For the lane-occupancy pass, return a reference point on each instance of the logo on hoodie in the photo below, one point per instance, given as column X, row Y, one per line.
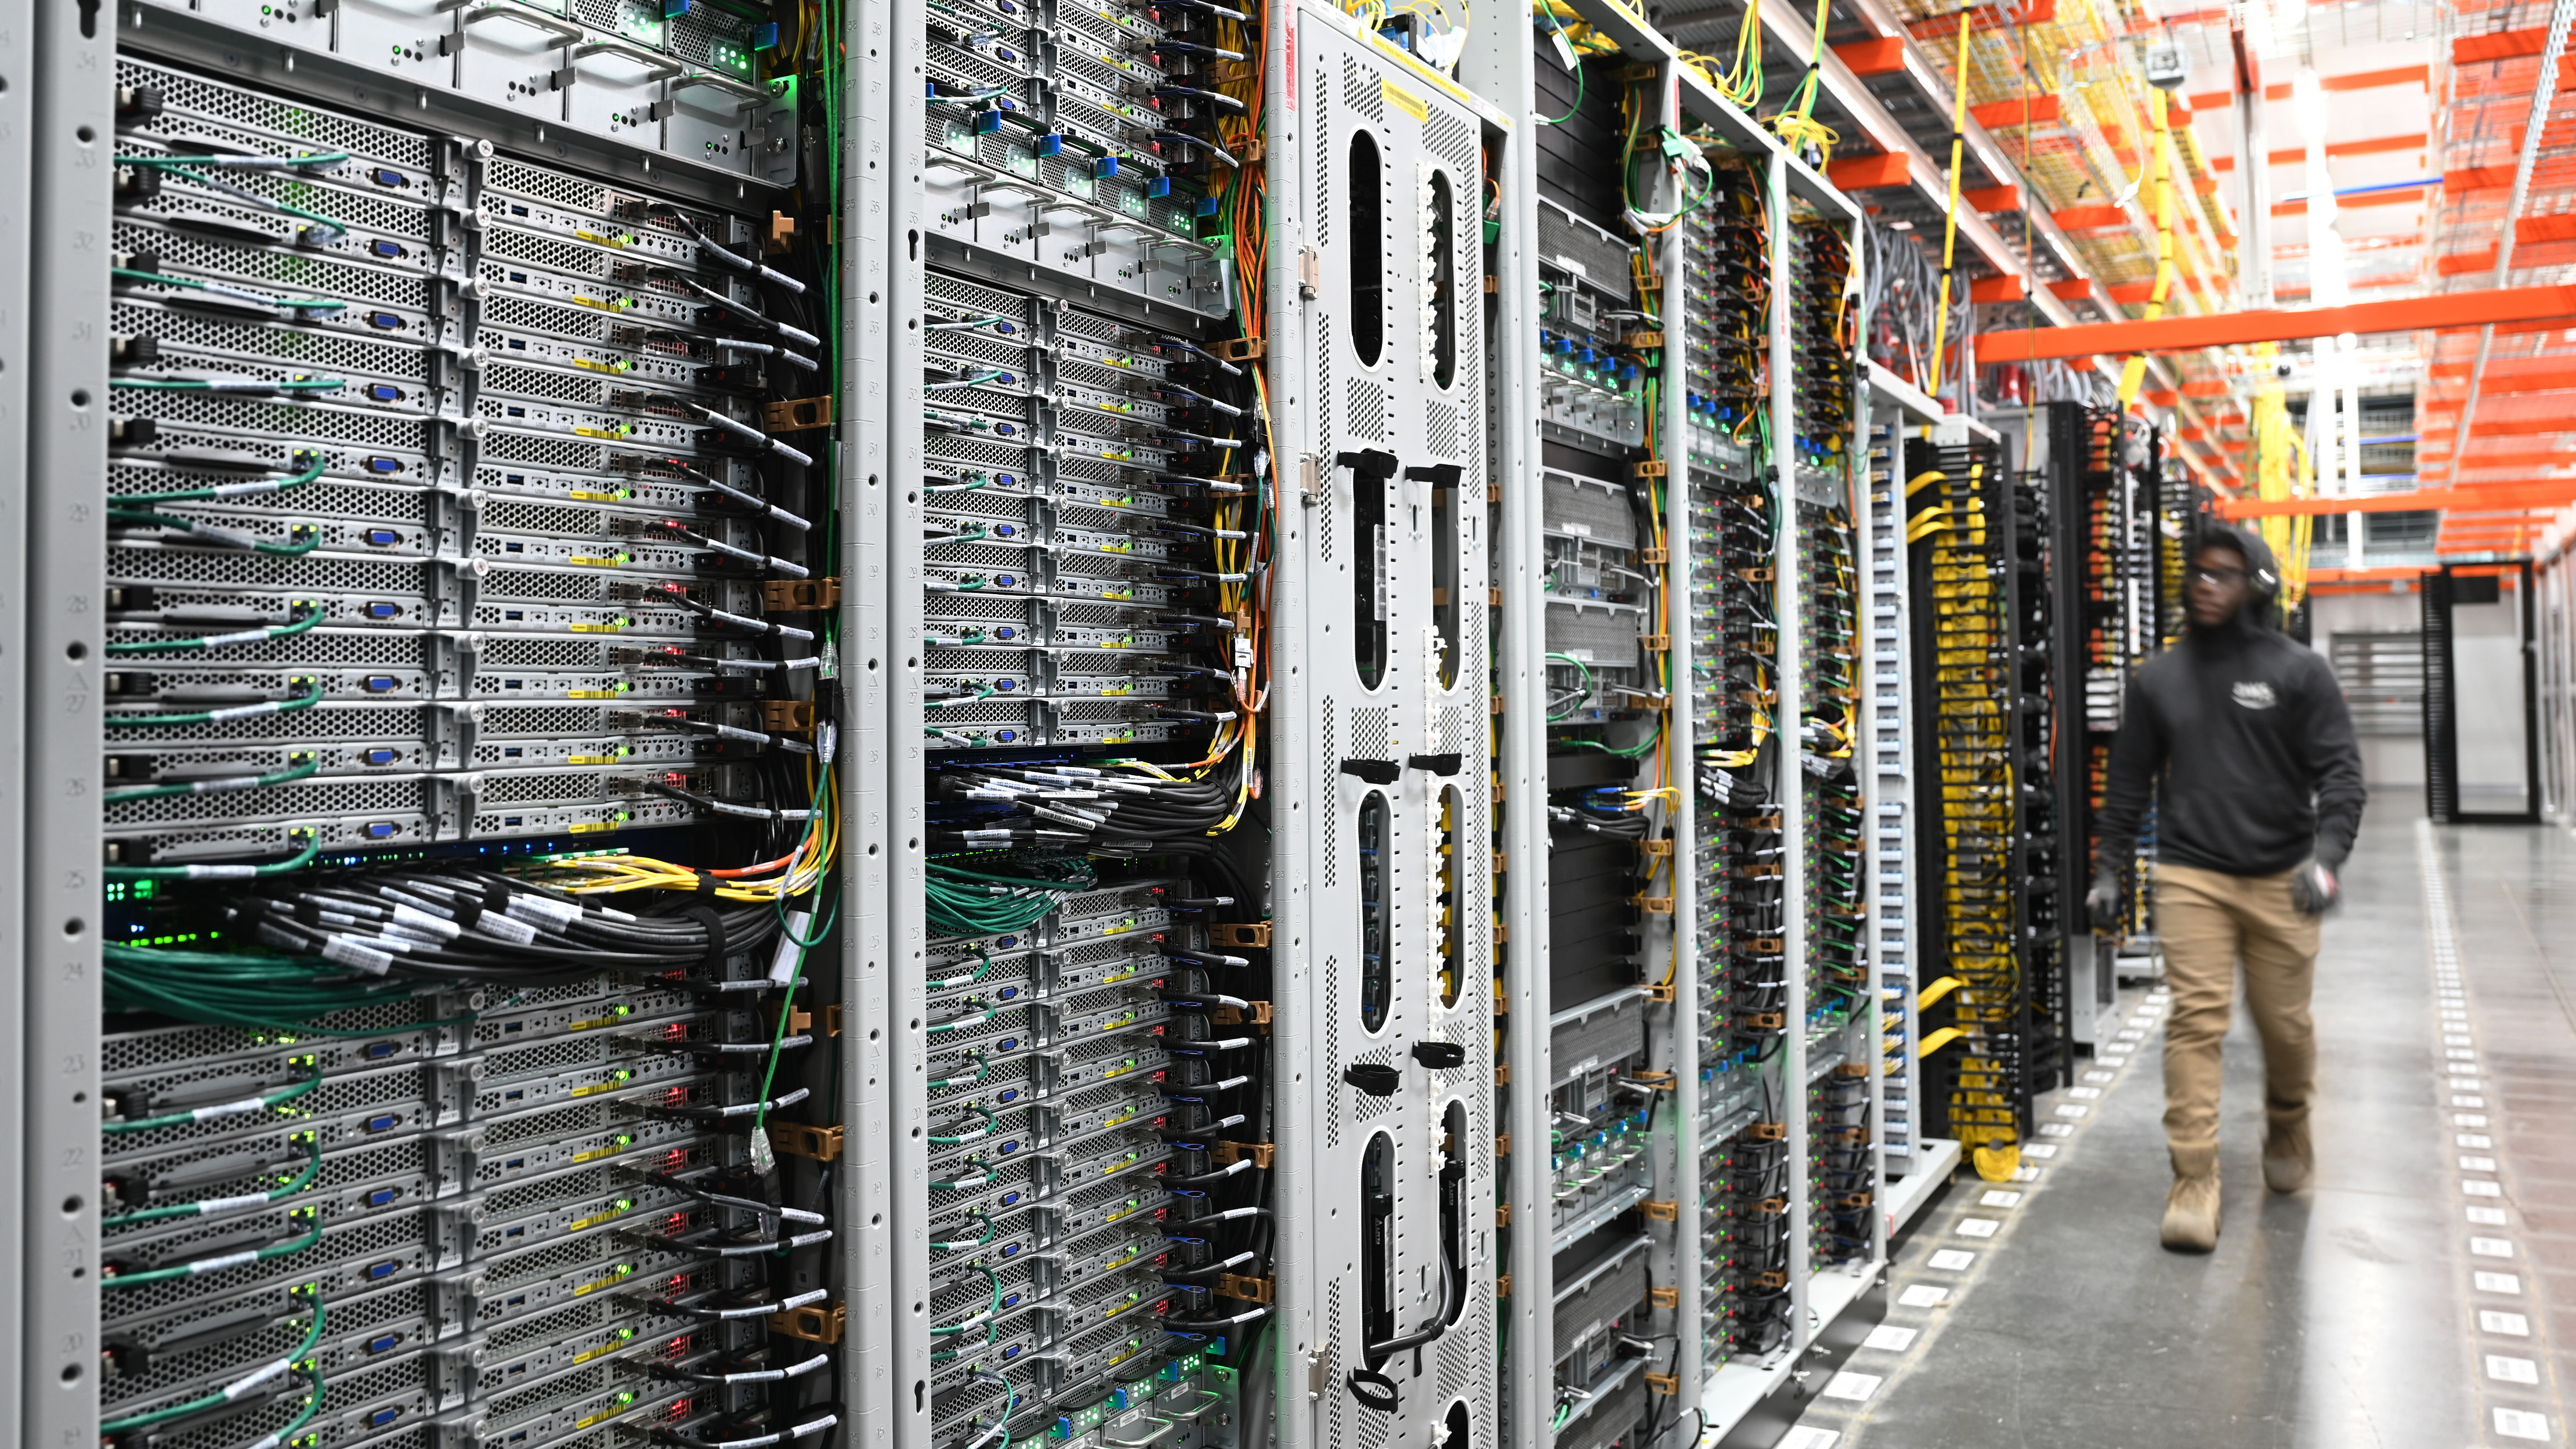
column 2255, row 694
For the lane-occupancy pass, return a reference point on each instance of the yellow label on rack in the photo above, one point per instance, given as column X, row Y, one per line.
column 592, row 760
column 595, row 1219
column 619, row 628
column 1404, row 100
column 592, row 694
column 611, row 1281
column 592, row 828
column 590, row 496
column 598, row 561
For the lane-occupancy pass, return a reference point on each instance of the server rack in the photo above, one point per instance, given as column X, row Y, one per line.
column 2100, row 586
column 434, row 591
column 2438, row 592
column 2044, row 871
column 993, row 462
column 1973, row 747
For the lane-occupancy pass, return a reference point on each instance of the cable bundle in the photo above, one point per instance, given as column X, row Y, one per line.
column 1959, row 521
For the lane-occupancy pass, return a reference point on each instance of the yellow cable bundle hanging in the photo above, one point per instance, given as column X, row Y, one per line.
column 2133, row 373
column 2282, row 469
column 1797, row 123
column 1950, row 220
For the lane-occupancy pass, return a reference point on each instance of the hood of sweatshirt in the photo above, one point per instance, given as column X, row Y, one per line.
column 2263, row 568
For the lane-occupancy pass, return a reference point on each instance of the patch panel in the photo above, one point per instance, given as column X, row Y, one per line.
column 1592, row 393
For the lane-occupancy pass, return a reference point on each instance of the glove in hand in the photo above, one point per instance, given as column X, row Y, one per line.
column 2314, row 889
column 2103, row 903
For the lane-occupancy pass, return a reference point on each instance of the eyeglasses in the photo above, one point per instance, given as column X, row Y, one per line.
column 2200, row 575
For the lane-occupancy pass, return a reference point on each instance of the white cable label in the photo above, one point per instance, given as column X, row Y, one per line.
column 420, row 920
column 500, row 927
column 357, row 954
column 545, row 911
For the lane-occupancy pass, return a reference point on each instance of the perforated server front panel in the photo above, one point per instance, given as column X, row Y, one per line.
column 465, row 787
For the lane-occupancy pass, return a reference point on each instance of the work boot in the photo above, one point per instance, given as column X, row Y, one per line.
column 2289, row 1158
column 2191, row 1205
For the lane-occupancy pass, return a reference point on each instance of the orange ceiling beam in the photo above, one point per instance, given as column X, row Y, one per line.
column 2545, row 459
column 2035, row 111
column 1871, row 173
column 2346, row 203
column 2499, row 427
column 2497, row 522
column 1884, row 56
column 2377, row 146
column 2368, row 80
column 2499, row 45
column 2360, row 577
column 2474, row 497
column 2177, row 334
column 2090, row 218
column 2503, row 379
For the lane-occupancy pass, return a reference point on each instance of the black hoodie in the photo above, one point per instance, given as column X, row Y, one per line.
column 2250, row 733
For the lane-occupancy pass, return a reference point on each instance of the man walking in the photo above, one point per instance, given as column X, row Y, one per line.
column 2261, row 797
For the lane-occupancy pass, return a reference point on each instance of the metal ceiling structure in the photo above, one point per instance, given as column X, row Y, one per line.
column 2391, row 134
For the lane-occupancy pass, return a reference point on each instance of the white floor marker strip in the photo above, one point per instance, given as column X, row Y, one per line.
column 2459, row 1061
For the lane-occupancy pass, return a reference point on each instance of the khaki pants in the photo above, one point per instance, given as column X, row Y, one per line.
column 2206, row 920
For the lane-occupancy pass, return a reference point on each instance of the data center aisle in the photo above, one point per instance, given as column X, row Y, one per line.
column 2402, row 1302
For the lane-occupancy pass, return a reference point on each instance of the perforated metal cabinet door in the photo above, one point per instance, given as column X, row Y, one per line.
column 1394, row 565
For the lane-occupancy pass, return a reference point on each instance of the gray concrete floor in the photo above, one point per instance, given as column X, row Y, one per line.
column 2344, row 1316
